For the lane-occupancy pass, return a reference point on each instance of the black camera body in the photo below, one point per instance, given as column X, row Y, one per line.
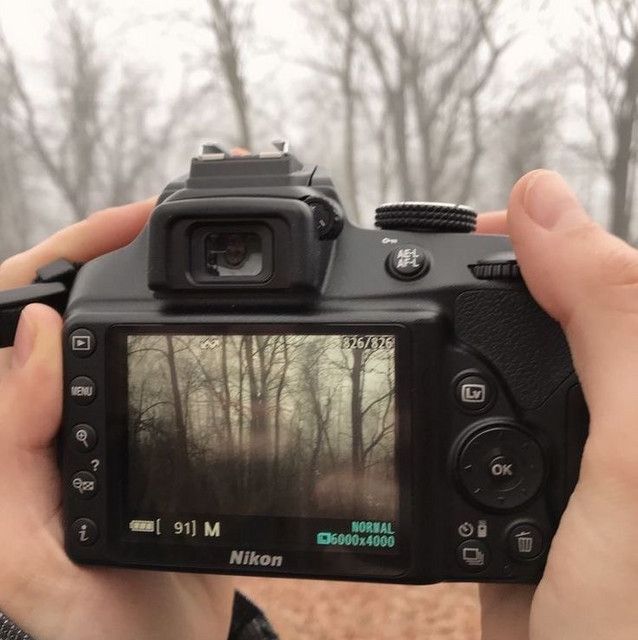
column 256, row 386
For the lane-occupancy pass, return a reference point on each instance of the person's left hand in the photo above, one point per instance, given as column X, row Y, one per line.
column 41, row 590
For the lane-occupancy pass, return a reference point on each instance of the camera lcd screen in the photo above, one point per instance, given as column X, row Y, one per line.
column 284, row 441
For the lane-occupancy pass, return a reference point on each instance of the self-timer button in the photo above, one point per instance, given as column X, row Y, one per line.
column 408, row 262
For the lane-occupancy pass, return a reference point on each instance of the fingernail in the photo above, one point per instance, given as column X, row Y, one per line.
column 23, row 343
column 551, row 203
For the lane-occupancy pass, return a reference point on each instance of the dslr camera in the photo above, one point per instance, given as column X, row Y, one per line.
column 257, row 386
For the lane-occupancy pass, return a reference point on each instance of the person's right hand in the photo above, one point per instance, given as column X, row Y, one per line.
column 586, row 279
column 45, row 593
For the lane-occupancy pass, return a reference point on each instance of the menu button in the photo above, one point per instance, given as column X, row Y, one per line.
column 83, row 390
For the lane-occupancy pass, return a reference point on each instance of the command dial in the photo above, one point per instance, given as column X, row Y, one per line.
column 426, row 217
column 499, row 266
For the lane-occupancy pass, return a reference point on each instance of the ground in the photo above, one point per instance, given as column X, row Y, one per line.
column 314, row 610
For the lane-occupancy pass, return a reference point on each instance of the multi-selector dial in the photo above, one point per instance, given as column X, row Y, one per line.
column 501, row 467
column 426, row 217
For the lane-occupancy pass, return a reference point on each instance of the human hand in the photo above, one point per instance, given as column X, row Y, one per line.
column 587, row 280
column 40, row 588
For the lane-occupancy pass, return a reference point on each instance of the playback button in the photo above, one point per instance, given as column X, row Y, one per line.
column 82, row 343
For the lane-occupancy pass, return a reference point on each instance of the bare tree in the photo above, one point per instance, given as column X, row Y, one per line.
column 71, row 159
column 230, row 24
column 106, row 135
column 412, row 74
column 15, row 207
column 337, row 19
column 446, row 79
column 528, row 128
column 609, row 63
column 132, row 140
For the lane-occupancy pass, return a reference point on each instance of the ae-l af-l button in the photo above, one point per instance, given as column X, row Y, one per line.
column 82, row 390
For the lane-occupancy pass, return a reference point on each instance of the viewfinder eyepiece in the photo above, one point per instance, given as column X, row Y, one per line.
column 231, row 253
column 237, row 254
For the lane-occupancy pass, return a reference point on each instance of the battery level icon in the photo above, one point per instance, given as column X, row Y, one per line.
column 323, row 537
column 145, row 526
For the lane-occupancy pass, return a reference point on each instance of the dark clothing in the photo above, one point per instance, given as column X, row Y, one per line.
column 248, row 623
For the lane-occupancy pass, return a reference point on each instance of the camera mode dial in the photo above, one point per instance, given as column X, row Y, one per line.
column 426, row 217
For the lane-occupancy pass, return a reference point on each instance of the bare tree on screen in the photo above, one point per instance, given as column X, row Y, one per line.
column 609, row 63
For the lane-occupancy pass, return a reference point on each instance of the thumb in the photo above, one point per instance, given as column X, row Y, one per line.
column 31, row 389
column 587, row 279
column 30, row 412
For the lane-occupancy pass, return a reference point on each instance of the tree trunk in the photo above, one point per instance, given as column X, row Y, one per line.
column 356, row 412
column 622, row 162
column 226, row 27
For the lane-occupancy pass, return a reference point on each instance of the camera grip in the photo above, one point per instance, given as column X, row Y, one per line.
column 525, row 345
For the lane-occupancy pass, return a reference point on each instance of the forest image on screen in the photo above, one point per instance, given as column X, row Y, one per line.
column 262, row 425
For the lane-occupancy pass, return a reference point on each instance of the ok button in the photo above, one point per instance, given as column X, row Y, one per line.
column 503, row 469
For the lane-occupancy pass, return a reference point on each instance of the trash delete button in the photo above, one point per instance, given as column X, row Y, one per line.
column 525, row 542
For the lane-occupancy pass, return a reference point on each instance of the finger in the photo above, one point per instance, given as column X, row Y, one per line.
column 587, row 279
column 494, row 222
column 505, row 611
column 100, row 233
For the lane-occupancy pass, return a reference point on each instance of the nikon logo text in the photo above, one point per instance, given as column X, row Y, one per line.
column 254, row 559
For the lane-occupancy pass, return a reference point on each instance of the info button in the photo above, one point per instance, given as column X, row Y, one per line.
column 82, row 390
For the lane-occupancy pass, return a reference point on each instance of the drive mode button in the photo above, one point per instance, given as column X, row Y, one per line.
column 83, row 390
column 473, row 555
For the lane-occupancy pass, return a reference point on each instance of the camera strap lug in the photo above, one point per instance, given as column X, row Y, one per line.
column 51, row 286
